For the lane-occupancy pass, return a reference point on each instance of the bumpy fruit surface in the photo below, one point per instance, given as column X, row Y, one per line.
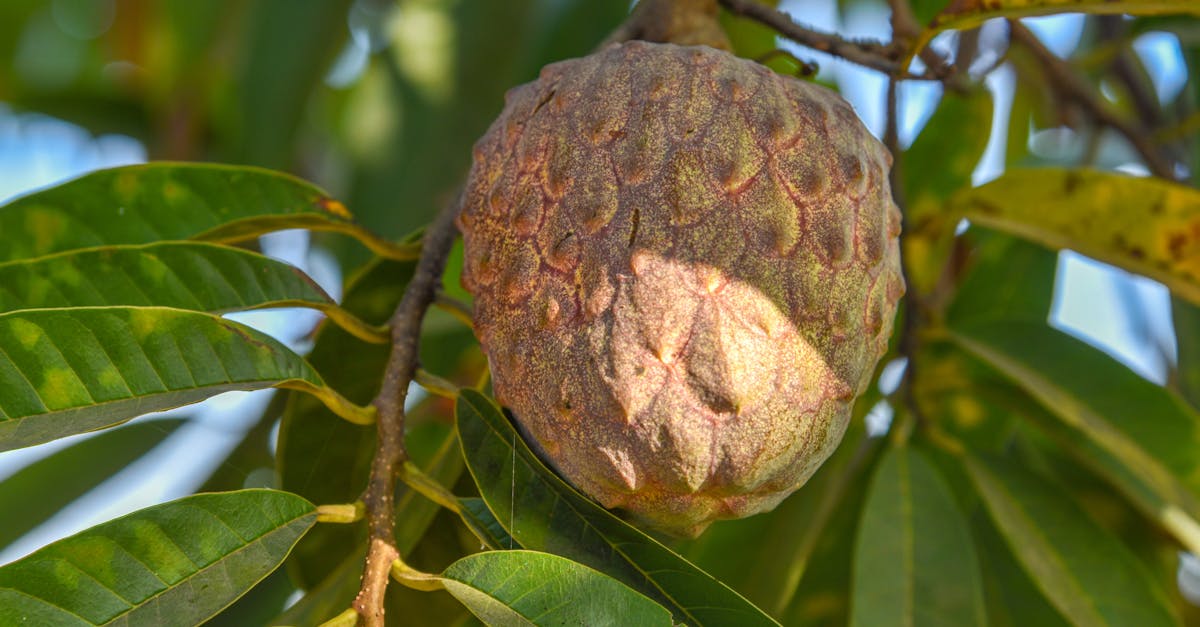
column 685, row 269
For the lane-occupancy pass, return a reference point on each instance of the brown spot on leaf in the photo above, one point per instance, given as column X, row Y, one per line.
column 331, row 206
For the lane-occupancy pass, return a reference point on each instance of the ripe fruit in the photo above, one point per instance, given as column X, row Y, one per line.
column 685, row 268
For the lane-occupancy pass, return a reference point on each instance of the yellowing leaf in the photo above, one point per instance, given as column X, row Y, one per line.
column 962, row 14
column 1148, row 226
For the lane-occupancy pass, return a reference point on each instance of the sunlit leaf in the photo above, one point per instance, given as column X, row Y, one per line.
column 184, row 275
column 1147, row 226
column 147, row 203
column 1104, row 406
column 67, row 371
column 1085, row 572
column 914, row 561
column 34, row 493
column 531, row 588
column 545, row 514
column 172, row 564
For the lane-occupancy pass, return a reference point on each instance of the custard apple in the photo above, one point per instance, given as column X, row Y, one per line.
column 685, row 268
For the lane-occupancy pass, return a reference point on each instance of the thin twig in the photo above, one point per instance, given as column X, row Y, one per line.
column 1072, row 86
column 390, row 453
column 1129, row 70
column 905, row 31
column 871, row 54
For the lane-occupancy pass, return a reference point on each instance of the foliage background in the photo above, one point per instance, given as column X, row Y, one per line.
column 379, row 102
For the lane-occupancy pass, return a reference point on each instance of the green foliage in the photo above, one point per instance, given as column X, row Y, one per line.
column 1059, row 545
column 914, row 563
column 530, row 588
column 67, row 371
column 1025, row 476
column 165, row 201
column 172, row 564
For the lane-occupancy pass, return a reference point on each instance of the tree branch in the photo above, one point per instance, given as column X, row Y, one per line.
column 1072, row 86
column 870, row 54
column 390, row 453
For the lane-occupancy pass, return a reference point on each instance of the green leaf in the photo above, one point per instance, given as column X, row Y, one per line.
column 1012, row 598
column 484, row 525
column 34, row 493
column 1102, row 408
column 172, row 564
column 954, row 139
column 531, row 588
column 1082, row 570
column 259, row 605
column 142, row 204
column 1185, row 318
column 754, row 40
column 822, row 596
column 67, row 371
column 914, row 562
column 1004, row 278
column 285, row 48
column 926, row 10
column 184, row 275
column 1143, row 225
column 543, row 513
column 433, row 446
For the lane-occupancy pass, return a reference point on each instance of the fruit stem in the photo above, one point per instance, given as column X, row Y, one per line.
column 683, row 22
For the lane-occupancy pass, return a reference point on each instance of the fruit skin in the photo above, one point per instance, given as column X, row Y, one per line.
column 685, row 268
